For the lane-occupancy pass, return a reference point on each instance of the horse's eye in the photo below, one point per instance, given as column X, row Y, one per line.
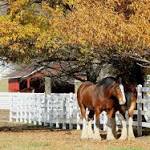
column 118, row 87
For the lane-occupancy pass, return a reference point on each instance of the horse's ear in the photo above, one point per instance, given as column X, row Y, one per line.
column 119, row 80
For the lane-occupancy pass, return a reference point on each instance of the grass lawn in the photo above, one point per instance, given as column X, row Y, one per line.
column 64, row 140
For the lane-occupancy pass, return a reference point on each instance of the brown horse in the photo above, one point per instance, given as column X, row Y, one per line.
column 106, row 95
column 131, row 99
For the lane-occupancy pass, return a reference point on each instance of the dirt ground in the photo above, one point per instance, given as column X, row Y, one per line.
column 26, row 137
column 32, row 138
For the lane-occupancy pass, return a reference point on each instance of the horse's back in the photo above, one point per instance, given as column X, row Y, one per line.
column 83, row 87
column 84, row 92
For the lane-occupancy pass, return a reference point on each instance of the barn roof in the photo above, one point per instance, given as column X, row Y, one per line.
column 53, row 70
column 23, row 72
column 26, row 71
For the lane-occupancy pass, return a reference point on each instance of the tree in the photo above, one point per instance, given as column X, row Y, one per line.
column 84, row 34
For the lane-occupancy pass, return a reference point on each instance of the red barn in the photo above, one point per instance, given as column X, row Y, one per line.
column 27, row 79
column 31, row 79
column 13, row 85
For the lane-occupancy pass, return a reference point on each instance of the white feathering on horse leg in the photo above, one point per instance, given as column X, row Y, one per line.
column 89, row 130
column 110, row 135
column 130, row 129
column 96, row 134
column 84, row 134
column 124, row 129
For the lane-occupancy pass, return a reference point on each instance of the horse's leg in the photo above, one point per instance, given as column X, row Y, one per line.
column 84, row 134
column 130, row 128
column 111, row 125
column 114, row 129
column 124, row 128
column 130, row 120
column 89, row 130
column 96, row 125
column 131, row 106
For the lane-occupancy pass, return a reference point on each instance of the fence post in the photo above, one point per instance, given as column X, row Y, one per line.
column 78, row 121
column 45, row 110
column 39, row 115
column 21, row 110
column 25, row 112
column 30, row 113
column 64, row 114
column 17, row 110
column 35, row 110
column 11, row 110
column 139, row 109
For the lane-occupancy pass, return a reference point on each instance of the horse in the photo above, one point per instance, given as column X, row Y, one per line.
column 126, row 111
column 106, row 95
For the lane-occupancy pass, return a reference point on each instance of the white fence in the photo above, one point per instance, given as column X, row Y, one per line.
column 38, row 108
column 62, row 109
column 143, row 109
column 5, row 100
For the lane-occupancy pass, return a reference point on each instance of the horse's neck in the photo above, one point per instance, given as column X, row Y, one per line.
column 128, row 98
column 102, row 92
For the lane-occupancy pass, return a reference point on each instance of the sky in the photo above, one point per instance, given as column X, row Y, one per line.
column 5, row 69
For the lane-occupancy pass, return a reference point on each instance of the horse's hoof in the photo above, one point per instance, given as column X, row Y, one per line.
column 122, row 138
column 131, row 138
column 97, row 138
column 90, row 134
column 84, row 138
column 110, row 139
column 90, row 137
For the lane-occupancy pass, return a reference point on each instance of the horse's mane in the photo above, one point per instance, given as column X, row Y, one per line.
column 106, row 81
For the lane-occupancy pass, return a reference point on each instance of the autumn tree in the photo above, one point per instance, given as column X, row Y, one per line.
column 83, row 34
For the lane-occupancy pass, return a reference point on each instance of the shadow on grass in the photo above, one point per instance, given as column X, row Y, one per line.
column 19, row 127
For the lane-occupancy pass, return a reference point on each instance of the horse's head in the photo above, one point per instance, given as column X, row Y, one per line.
column 112, row 87
column 118, row 92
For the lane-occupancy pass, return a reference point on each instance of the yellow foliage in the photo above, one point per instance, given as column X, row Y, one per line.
column 98, row 26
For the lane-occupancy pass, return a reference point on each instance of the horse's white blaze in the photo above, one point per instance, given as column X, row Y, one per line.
column 123, row 101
